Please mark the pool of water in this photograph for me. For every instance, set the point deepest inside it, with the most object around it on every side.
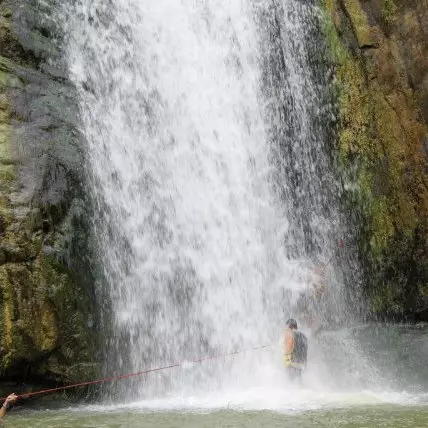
(368, 376)
(255, 407)
(385, 415)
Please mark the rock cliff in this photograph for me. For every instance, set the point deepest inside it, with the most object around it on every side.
(379, 49)
(47, 326)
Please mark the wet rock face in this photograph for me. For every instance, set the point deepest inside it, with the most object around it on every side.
(46, 304)
(380, 51)
(403, 25)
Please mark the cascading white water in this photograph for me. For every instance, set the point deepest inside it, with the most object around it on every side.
(201, 231)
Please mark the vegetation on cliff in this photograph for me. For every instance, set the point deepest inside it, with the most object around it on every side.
(380, 53)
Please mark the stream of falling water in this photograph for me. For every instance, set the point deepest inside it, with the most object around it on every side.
(208, 173)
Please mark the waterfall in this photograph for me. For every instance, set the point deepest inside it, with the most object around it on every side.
(207, 167)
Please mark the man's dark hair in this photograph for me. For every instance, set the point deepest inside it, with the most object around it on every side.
(291, 323)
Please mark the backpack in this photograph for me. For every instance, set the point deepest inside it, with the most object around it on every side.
(300, 353)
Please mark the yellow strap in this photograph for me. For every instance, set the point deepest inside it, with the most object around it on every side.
(289, 363)
(287, 360)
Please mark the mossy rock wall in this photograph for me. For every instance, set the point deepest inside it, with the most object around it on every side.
(379, 49)
(47, 326)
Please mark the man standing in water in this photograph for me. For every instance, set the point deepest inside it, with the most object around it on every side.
(295, 350)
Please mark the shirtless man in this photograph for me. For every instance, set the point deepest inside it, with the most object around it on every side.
(295, 350)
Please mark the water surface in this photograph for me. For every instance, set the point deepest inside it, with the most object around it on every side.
(355, 416)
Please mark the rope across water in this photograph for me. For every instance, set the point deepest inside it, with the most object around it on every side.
(140, 373)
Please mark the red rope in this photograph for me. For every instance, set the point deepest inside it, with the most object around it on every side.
(115, 378)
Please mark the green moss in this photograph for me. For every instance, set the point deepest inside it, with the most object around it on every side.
(382, 225)
(7, 173)
(385, 300)
(5, 12)
(5, 25)
(354, 110)
(388, 11)
(16, 337)
(8, 76)
(45, 315)
(380, 150)
(359, 22)
(43, 310)
(354, 106)
(9, 80)
(7, 170)
(6, 157)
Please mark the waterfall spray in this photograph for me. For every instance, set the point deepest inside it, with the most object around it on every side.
(208, 171)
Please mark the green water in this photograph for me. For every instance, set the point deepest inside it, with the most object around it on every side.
(372, 416)
(367, 376)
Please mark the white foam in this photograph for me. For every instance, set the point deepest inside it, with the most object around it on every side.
(281, 400)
